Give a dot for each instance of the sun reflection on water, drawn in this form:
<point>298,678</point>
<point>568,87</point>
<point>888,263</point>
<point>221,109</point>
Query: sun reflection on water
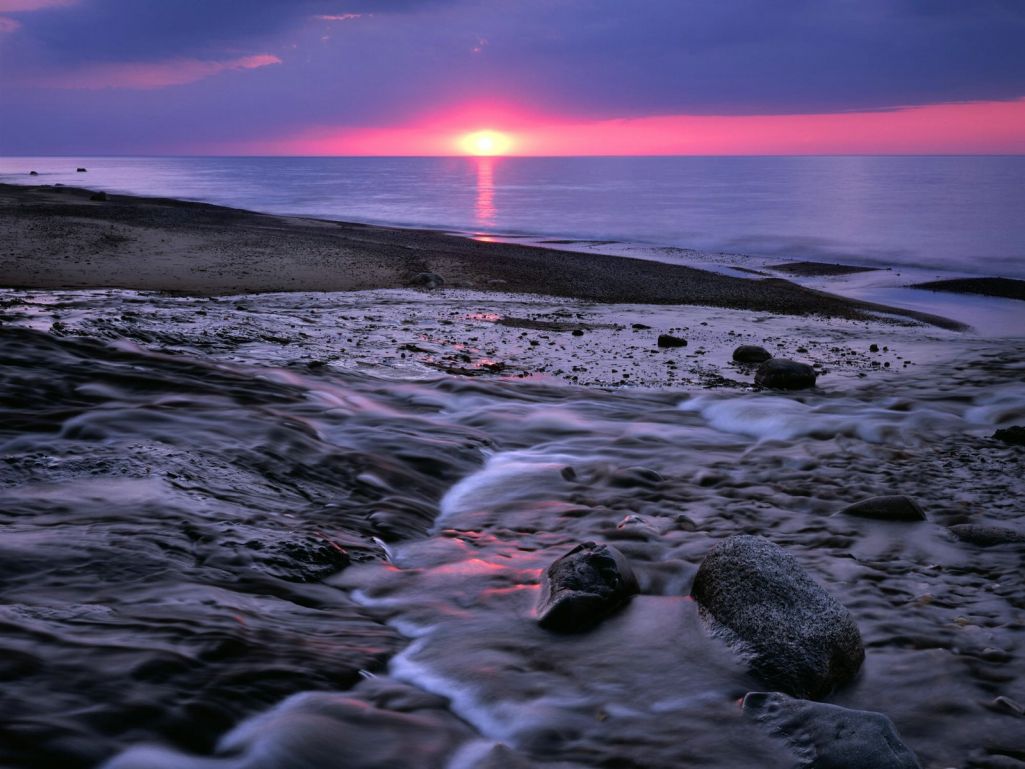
<point>484,208</point>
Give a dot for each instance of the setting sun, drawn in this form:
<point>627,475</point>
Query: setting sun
<point>485,143</point>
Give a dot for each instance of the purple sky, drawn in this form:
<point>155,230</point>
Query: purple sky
<point>153,76</point>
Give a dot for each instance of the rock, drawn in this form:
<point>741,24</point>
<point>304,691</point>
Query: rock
<point>1015,435</point>
<point>785,374</point>
<point>427,280</point>
<point>668,340</point>
<point>81,170</point>
<point>985,535</point>
<point>640,327</point>
<point>630,477</point>
<point>873,347</point>
<point>33,173</point>
<point>583,587</point>
<point>578,332</point>
<point>798,638</point>
<point>101,196</point>
<point>830,737</point>
<point>891,507</point>
<point>751,353</point>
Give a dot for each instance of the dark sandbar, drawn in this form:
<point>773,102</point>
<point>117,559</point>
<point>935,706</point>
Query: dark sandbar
<point>1007,288</point>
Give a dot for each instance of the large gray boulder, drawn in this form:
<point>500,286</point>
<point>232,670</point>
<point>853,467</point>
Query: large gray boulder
<point>785,374</point>
<point>583,587</point>
<point>829,737</point>
<point>797,637</point>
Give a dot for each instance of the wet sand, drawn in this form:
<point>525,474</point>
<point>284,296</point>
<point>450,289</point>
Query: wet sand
<point>59,238</point>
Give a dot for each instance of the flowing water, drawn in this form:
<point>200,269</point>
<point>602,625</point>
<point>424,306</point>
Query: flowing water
<point>953,214</point>
<point>220,553</point>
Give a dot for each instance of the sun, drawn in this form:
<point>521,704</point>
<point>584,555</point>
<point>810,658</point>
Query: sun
<point>485,143</point>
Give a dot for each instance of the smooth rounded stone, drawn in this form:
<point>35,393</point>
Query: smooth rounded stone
<point>785,374</point>
<point>830,737</point>
<point>427,280</point>
<point>668,340</point>
<point>751,353</point>
<point>889,507</point>
<point>985,535</point>
<point>796,636</point>
<point>33,173</point>
<point>583,587</point>
<point>81,170</point>
<point>1015,435</point>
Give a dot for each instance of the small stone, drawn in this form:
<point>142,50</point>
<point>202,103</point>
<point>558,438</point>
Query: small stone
<point>427,280</point>
<point>33,173</point>
<point>81,170</point>
<point>829,736</point>
<point>873,348</point>
<point>578,332</point>
<point>583,587</point>
<point>640,327</point>
<point>1007,705</point>
<point>1015,435</point>
<point>784,374</point>
<point>985,535</point>
<point>668,340</point>
<point>750,353</point>
<point>890,507</point>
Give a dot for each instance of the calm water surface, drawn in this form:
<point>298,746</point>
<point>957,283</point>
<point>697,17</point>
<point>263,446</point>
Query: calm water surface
<point>960,214</point>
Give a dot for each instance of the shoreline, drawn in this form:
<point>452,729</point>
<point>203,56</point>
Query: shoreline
<point>59,238</point>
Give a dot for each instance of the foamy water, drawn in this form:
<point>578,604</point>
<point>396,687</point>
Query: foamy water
<point>226,549</point>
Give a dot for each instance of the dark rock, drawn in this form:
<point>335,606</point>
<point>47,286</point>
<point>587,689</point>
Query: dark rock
<point>755,595</point>
<point>101,196</point>
<point>985,535</point>
<point>1015,435</point>
<point>578,332</point>
<point>873,348</point>
<point>639,327</point>
<point>33,173</point>
<point>427,280</point>
<point>583,587</point>
<point>668,340</point>
<point>630,477</point>
<point>81,170</point>
<point>785,374</point>
<point>830,737</point>
<point>891,507</point>
<point>751,353</point>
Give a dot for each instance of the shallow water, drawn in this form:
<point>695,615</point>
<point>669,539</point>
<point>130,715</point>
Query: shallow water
<point>196,534</point>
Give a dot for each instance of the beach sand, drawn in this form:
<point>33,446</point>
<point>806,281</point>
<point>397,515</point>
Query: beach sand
<point>59,238</point>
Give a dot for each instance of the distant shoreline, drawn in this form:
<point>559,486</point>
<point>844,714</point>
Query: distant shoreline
<point>59,238</point>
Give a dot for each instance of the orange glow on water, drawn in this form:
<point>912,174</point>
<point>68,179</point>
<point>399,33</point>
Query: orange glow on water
<point>485,203</point>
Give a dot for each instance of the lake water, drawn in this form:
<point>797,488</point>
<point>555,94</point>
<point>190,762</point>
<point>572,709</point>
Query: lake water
<point>958,214</point>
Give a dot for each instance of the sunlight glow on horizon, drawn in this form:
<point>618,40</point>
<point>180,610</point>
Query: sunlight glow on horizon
<point>485,143</point>
<point>993,127</point>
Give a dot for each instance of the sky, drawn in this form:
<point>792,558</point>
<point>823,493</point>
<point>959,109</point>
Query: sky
<point>546,77</point>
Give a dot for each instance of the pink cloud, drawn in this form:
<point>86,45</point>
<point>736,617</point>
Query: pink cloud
<point>340,17</point>
<point>8,25</point>
<point>996,127</point>
<point>148,76</point>
<point>18,6</point>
